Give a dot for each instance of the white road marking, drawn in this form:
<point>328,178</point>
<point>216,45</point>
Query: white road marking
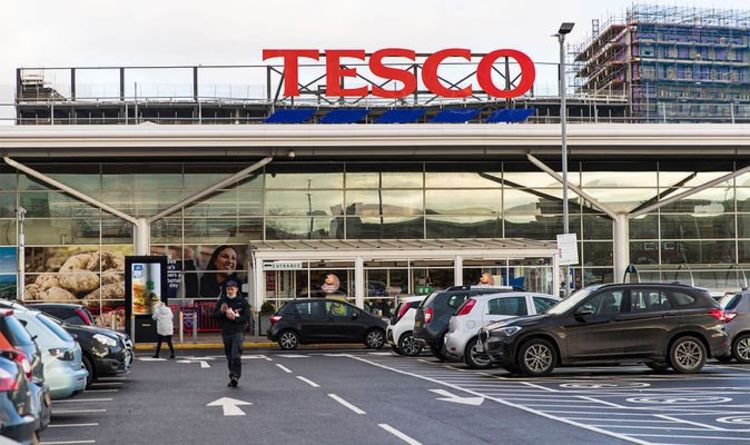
<point>83,400</point>
<point>284,368</point>
<point>151,359</point>
<point>592,399</point>
<point>379,353</point>
<point>106,384</point>
<point>533,385</point>
<point>64,425</point>
<point>448,396</point>
<point>308,381</point>
<point>293,356</point>
<point>67,442</point>
<point>620,420</point>
<point>676,436</point>
<point>514,405</point>
<point>399,434</point>
<point>689,422</point>
<point>77,411</point>
<point>88,391</point>
<point>230,406</point>
<point>107,379</point>
<point>346,404</point>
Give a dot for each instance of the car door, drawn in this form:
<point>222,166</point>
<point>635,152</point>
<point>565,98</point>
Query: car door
<point>346,322</point>
<point>647,322</point>
<point>313,320</point>
<point>502,308</point>
<point>595,336</point>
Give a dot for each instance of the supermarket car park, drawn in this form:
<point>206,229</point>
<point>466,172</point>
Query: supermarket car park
<point>348,396</point>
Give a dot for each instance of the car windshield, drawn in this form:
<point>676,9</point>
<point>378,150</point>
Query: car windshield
<point>54,327</point>
<point>571,301</point>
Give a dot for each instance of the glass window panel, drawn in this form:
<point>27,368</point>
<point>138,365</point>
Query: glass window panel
<point>669,179</point>
<point>725,279</point>
<point>384,228</point>
<point>250,202</point>
<point>451,175</point>
<point>214,230</point>
<point>696,226</point>
<point>116,231</point>
<point>304,202</point>
<point>167,230</point>
<point>369,176</point>
<point>78,176</point>
<point>385,202</point>
<point>622,200</point>
<point>644,252</point>
<point>8,205</point>
<point>624,174</point>
<point>321,227</point>
<point>199,176</point>
<point>229,259</point>
<point>62,231</point>
<point>537,179</point>
<point>142,203</point>
<point>149,177</point>
<point>743,199</point>
<point>8,178</point>
<point>223,203</point>
<point>593,276</point>
<point>597,254</point>
<point>714,201</point>
<point>55,205</point>
<point>697,252</point>
<point>644,227</point>
<point>538,201</point>
<point>596,227</point>
<point>7,231</point>
<point>464,227</point>
<point>744,251</point>
<point>541,227</point>
<point>250,229</point>
<point>304,176</point>
<point>463,202</point>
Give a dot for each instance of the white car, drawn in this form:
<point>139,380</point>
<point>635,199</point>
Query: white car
<point>482,310</point>
<point>400,330</point>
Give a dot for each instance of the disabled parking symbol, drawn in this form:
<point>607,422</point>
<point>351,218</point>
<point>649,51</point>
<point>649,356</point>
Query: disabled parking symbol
<point>735,420</point>
<point>680,400</point>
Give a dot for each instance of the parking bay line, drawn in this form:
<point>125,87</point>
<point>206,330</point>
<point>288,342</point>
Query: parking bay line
<point>346,404</point>
<point>676,436</point>
<point>624,437</point>
<point>65,425</point>
<point>399,434</point>
<point>308,381</point>
<point>67,442</point>
<point>109,399</point>
<point>689,422</point>
<point>77,411</point>
<point>100,383</point>
<point>283,368</point>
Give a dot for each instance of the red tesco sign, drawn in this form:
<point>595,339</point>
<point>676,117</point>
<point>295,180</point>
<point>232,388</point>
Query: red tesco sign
<point>335,72</point>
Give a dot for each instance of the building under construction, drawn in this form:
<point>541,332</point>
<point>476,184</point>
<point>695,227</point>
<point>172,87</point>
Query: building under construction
<point>672,63</point>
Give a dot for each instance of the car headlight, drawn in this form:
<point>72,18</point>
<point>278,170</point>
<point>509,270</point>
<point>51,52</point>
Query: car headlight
<point>62,354</point>
<point>506,331</point>
<point>105,340</point>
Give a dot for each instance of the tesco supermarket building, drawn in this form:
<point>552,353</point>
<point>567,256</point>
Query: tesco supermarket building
<point>387,208</point>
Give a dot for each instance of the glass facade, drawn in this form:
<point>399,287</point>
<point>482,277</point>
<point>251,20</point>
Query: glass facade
<point>75,251</point>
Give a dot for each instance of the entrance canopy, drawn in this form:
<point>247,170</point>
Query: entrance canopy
<point>352,255</point>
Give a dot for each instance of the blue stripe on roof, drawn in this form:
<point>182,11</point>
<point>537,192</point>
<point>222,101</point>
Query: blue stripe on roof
<point>344,116</point>
<point>510,115</point>
<point>455,116</point>
<point>400,116</point>
<point>290,116</point>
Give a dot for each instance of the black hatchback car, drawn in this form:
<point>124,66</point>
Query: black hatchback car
<point>434,315</point>
<point>320,320</point>
<point>661,325</point>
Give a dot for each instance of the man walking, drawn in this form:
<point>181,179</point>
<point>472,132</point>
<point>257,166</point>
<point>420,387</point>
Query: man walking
<point>232,311</point>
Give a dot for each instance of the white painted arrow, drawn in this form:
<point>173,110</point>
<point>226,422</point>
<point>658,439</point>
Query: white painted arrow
<point>230,406</point>
<point>204,364</point>
<point>450,397</point>
<point>151,359</point>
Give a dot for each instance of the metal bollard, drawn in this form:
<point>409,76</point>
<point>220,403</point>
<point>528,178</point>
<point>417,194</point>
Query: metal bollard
<point>195,329</point>
<point>181,317</point>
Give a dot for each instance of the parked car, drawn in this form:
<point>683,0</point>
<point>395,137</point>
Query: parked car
<point>737,324</point>
<point>61,354</point>
<point>400,330</point>
<point>74,314</point>
<point>482,310</point>
<point>434,314</point>
<point>14,335</point>
<point>661,325</point>
<point>17,419</point>
<point>320,320</point>
<point>104,352</point>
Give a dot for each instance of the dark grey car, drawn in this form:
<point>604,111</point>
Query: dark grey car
<point>737,325</point>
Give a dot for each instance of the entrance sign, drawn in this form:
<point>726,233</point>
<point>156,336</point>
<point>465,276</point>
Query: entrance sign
<point>336,72</point>
<point>283,265</point>
<point>567,249</point>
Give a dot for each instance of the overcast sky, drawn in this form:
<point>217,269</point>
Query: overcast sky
<point>166,32</point>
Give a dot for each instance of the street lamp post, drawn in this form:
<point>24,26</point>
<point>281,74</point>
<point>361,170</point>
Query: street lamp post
<point>565,29</point>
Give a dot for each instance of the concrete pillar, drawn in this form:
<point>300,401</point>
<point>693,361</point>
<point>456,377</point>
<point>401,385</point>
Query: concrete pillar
<point>259,288</point>
<point>142,237</point>
<point>359,282</point>
<point>621,251</point>
<point>458,270</point>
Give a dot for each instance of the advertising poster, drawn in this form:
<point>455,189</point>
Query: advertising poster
<point>8,272</point>
<point>145,287</point>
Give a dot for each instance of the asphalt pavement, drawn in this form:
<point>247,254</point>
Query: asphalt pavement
<point>375,397</point>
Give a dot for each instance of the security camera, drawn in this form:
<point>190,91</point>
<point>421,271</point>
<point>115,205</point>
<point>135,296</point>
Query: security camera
<point>292,154</point>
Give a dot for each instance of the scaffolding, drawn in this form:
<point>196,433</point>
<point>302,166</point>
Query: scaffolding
<point>678,62</point>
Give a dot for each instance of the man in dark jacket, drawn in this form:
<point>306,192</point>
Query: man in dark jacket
<point>233,313</point>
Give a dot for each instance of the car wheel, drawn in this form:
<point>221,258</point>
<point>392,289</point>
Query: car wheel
<point>408,345</point>
<point>395,349</point>
<point>687,355</point>
<point>375,338</point>
<point>741,348</point>
<point>474,358</point>
<point>288,340</point>
<point>86,363</point>
<point>658,367</point>
<point>438,351</point>
<point>537,357</point>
